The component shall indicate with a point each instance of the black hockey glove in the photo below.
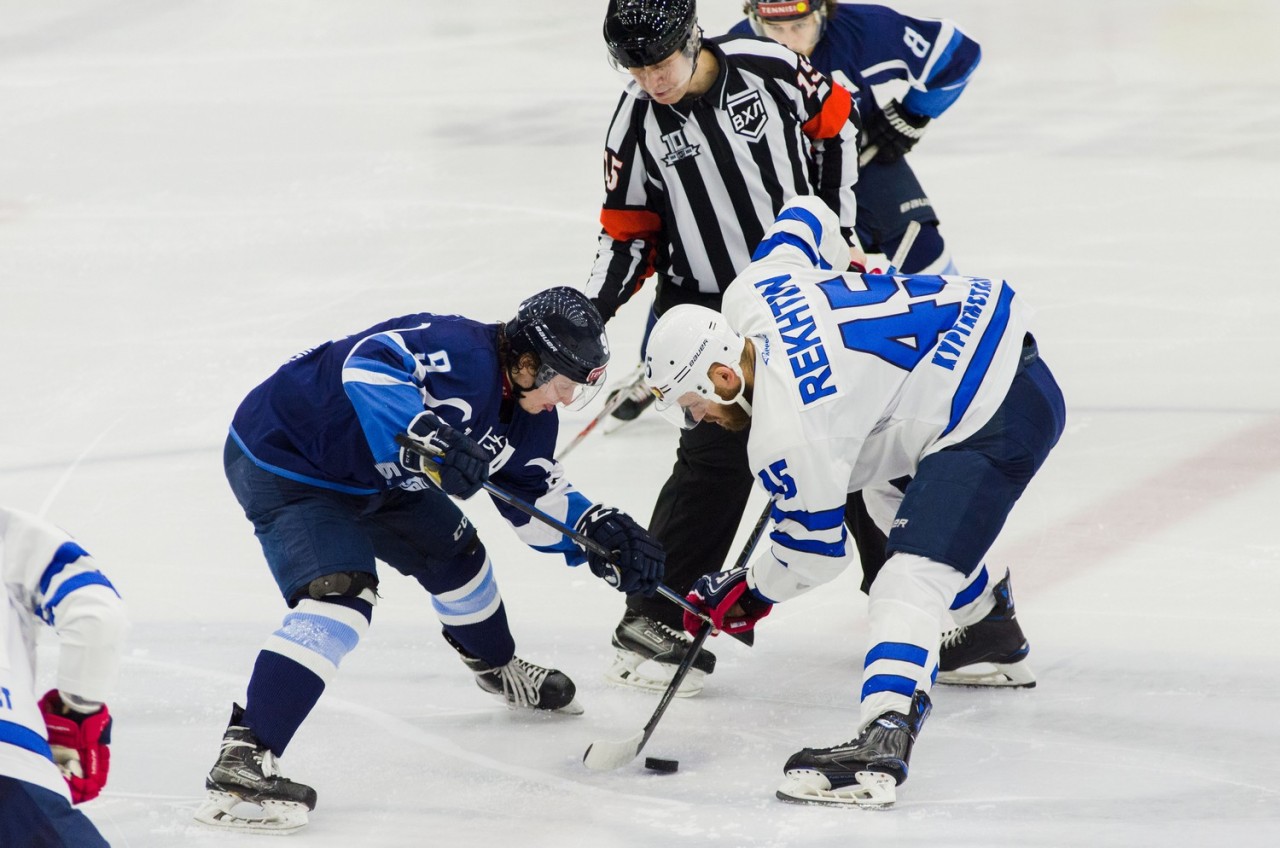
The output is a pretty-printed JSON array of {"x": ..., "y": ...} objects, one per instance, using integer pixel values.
[
  {"x": 639, "y": 560},
  {"x": 463, "y": 467},
  {"x": 893, "y": 131},
  {"x": 726, "y": 597}
]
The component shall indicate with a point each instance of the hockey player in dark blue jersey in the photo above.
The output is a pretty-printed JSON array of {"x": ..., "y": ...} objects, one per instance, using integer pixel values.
[
  {"x": 902, "y": 72},
  {"x": 312, "y": 458}
]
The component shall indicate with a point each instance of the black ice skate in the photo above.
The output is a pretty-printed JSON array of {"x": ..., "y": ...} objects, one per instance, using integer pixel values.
[
  {"x": 246, "y": 789},
  {"x": 627, "y": 402},
  {"x": 522, "y": 684},
  {"x": 648, "y": 652},
  {"x": 865, "y": 771},
  {"x": 637, "y": 401},
  {"x": 992, "y": 652}
]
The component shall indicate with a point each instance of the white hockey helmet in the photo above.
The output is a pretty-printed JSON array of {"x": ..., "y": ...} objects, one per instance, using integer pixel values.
[{"x": 684, "y": 344}]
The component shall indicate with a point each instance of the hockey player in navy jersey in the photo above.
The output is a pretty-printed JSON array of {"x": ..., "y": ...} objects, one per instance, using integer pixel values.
[
  {"x": 709, "y": 138},
  {"x": 313, "y": 459},
  {"x": 903, "y": 72},
  {"x": 54, "y": 749},
  {"x": 849, "y": 381}
]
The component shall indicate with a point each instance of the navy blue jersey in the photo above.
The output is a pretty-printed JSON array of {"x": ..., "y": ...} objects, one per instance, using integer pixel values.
[
  {"x": 922, "y": 62},
  {"x": 329, "y": 416}
]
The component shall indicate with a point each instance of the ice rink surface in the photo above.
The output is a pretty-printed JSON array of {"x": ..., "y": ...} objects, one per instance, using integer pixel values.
[{"x": 193, "y": 190}]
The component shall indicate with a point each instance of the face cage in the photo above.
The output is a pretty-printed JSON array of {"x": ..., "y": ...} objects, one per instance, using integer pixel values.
[
  {"x": 582, "y": 393},
  {"x": 690, "y": 49}
]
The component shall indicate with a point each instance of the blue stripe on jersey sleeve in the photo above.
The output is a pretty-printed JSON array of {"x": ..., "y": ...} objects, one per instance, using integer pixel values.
[
  {"x": 827, "y": 519},
  {"x": 67, "y": 553},
  {"x": 982, "y": 358},
  {"x": 782, "y": 239},
  {"x": 810, "y": 546},
  {"x": 25, "y": 738},
  {"x": 79, "y": 581},
  {"x": 947, "y": 79}
]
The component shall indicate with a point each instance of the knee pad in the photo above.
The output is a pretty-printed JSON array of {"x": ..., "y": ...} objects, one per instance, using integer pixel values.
[{"x": 343, "y": 584}]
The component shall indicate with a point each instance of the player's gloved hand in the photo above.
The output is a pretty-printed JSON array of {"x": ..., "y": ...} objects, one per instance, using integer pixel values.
[
  {"x": 894, "y": 131},
  {"x": 640, "y": 559},
  {"x": 79, "y": 743},
  {"x": 463, "y": 468},
  {"x": 726, "y": 597}
]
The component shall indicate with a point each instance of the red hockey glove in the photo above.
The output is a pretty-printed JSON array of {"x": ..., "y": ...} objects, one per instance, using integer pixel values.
[
  {"x": 725, "y": 596},
  {"x": 79, "y": 742}
]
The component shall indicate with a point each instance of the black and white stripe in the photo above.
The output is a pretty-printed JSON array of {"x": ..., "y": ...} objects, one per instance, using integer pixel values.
[{"x": 711, "y": 188}]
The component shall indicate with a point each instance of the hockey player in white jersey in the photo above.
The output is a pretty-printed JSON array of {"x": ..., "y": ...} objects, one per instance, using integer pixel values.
[
  {"x": 53, "y": 749},
  {"x": 849, "y": 381}
]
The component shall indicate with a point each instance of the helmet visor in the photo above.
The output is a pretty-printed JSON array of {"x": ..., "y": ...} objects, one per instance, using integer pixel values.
[
  {"x": 572, "y": 395},
  {"x": 685, "y": 411}
]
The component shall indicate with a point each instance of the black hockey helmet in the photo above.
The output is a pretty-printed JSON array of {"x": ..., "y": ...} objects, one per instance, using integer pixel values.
[
  {"x": 644, "y": 32},
  {"x": 563, "y": 328}
]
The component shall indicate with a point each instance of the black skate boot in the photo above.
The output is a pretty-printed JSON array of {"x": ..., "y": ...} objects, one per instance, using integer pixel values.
[
  {"x": 637, "y": 401},
  {"x": 648, "y": 653},
  {"x": 521, "y": 683},
  {"x": 864, "y": 771},
  {"x": 246, "y": 789},
  {"x": 992, "y": 652}
]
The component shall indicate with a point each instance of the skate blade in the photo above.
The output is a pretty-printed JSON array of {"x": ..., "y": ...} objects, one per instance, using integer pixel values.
[
  {"x": 652, "y": 676},
  {"x": 991, "y": 675},
  {"x": 873, "y": 791},
  {"x": 226, "y": 811}
]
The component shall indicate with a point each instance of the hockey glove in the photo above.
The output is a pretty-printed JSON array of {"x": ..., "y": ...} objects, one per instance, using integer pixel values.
[
  {"x": 893, "y": 131},
  {"x": 639, "y": 559},
  {"x": 463, "y": 468},
  {"x": 726, "y": 597},
  {"x": 79, "y": 744}
]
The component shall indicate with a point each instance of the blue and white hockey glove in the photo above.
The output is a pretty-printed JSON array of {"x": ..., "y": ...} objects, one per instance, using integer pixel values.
[
  {"x": 893, "y": 131},
  {"x": 726, "y": 597},
  {"x": 639, "y": 559},
  {"x": 463, "y": 468}
]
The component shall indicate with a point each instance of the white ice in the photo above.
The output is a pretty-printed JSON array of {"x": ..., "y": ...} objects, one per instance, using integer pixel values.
[{"x": 193, "y": 190}]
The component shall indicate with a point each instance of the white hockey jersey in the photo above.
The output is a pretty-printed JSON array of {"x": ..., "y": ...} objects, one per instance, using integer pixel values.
[
  {"x": 49, "y": 579},
  {"x": 857, "y": 378}
]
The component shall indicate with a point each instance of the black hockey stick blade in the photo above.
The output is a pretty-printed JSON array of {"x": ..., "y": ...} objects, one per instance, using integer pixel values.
[{"x": 606, "y": 755}]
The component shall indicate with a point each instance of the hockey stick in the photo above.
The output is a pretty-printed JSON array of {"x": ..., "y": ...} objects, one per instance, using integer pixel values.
[
  {"x": 605, "y": 754},
  {"x": 867, "y": 156},
  {"x": 904, "y": 246},
  {"x": 618, "y": 399},
  {"x": 586, "y": 542}
]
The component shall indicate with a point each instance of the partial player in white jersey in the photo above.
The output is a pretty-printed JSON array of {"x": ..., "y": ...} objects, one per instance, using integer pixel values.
[
  {"x": 53, "y": 749},
  {"x": 849, "y": 381}
]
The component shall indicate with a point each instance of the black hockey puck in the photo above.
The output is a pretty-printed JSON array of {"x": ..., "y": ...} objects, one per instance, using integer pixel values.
[{"x": 659, "y": 764}]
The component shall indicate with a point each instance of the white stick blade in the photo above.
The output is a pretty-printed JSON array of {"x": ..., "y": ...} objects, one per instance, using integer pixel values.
[{"x": 606, "y": 755}]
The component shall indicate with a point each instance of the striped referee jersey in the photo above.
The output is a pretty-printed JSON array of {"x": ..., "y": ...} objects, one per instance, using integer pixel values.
[{"x": 690, "y": 188}]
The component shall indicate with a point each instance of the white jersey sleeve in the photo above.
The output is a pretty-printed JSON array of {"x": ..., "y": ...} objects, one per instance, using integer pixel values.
[
  {"x": 49, "y": 579},
  {"x": 857, "y": 378}
]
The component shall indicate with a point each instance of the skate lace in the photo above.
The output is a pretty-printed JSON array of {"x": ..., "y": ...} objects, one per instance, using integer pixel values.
[
  {"x": 954, "y": 637},
  {"x": 522, "y": 682}
]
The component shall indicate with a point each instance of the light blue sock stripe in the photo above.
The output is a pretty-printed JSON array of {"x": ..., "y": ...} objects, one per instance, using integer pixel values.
[
  {"x": 476, "y": 600},
  {"x": 328, "y": 637}
]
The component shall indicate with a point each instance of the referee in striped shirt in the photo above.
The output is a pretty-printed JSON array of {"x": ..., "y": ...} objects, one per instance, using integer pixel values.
[{"x": 708, "y": 141}]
